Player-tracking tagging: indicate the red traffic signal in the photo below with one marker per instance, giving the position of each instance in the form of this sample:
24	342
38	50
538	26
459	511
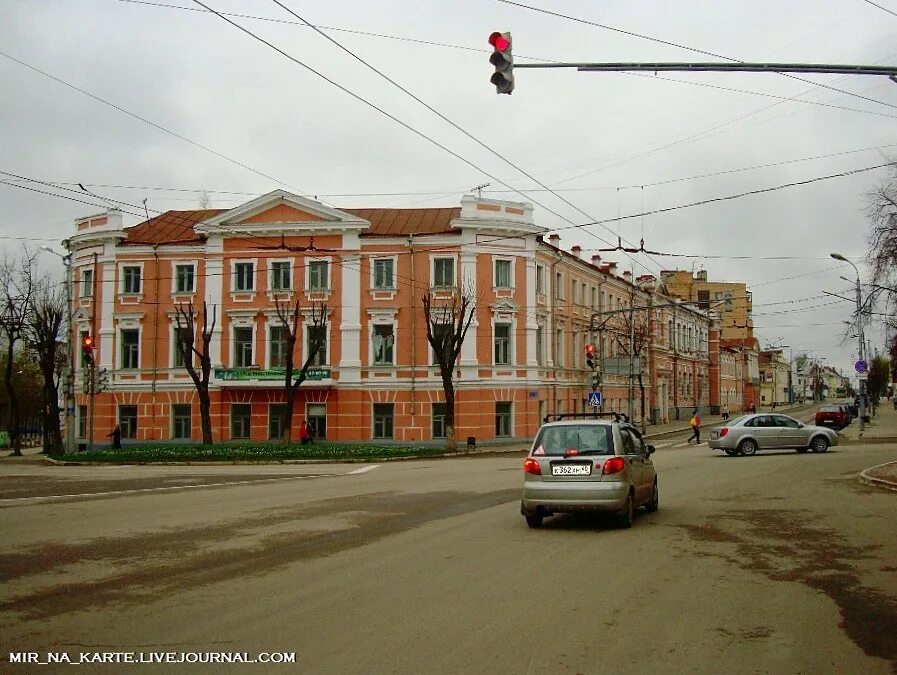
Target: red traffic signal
590	350
503	77
499	41
87	349
590	356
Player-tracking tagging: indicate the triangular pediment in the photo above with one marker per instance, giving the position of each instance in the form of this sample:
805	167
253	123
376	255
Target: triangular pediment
282	210
504	305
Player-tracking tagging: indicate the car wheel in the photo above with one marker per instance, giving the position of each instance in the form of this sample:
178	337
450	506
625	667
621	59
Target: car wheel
534	521
819	444
654	504
731	451
627	515
747	447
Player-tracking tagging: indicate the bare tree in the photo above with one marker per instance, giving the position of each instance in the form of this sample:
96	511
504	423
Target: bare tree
186	342
447	325
205	201
289	311
45	333
881	208
632	336
16	296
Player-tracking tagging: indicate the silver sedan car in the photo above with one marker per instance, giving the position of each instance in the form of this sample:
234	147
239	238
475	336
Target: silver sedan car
588	465
747	434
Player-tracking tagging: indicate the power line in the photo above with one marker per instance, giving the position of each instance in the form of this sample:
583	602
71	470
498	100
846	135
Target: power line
884	9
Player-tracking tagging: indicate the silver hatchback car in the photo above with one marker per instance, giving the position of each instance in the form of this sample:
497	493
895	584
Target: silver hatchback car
588	464
746	434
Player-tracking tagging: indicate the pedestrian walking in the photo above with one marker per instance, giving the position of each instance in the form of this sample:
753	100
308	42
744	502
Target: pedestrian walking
725	413
695	423
115	435
304	438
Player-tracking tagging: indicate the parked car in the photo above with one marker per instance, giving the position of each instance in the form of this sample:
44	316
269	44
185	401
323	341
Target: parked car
747	434
834	416
583	463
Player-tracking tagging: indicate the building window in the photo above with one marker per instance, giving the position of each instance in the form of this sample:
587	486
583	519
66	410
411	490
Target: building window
594	297
317	420
278	346
383	341
383	274
280	275
242	347
131	282
244	276
318	332
82	421
177	338
502	344
540	345
503	274
502	419
130	348
438	416
574	294
240	420
540	279
559	286
383	419
317	275
441	331
181	421
444	272
277	420
127	421
559	347
183	279
87	284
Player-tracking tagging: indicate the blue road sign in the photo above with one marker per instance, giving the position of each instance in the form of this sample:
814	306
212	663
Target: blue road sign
861	366
595	399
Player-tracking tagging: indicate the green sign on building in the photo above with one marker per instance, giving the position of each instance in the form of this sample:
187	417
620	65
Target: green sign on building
270	374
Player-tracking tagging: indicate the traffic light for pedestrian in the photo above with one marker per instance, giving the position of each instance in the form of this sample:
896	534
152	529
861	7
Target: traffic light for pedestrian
503	77
590	356
87	350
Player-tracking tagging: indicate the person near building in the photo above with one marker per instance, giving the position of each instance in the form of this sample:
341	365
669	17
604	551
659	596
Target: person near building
116	437
304	437
725	413
695	423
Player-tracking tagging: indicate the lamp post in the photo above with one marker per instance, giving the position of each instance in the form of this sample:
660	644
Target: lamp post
862	351
69	397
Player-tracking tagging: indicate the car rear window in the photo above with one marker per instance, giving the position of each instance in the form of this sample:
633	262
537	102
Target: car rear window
591	439
830	408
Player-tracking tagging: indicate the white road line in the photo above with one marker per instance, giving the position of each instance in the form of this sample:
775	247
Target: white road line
363	469
50	498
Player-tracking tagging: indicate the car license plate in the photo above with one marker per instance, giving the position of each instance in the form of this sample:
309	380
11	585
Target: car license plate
714	434
571	469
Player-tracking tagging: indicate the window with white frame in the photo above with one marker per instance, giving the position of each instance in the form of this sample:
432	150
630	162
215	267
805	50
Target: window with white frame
559	286
574	292
503	411
277	420
384	274
244	277
441	332
181	421
280	275
178	337
130	279
438	417
559	347
540	345
540	279
382	342
242	347
184	278
87	283
318	277
277	346
502	273
383	420
594	297
502	344
444	272
130	348
127	421
240	420
313	334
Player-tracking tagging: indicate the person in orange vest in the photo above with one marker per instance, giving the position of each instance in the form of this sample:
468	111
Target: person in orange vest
695	423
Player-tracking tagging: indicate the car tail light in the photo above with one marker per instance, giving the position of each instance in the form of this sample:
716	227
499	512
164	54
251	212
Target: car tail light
613	465
569	452
723	431
532	466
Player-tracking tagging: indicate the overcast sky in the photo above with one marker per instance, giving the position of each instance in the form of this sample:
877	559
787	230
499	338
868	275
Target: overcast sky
614	143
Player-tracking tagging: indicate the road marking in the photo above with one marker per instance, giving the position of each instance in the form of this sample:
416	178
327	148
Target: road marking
164	488
364	469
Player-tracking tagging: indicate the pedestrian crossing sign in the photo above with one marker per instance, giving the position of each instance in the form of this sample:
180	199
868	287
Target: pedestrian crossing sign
595	399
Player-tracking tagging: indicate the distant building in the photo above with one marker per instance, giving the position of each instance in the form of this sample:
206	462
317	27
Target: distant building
732	300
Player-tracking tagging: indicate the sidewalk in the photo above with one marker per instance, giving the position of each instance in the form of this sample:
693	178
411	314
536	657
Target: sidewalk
881	429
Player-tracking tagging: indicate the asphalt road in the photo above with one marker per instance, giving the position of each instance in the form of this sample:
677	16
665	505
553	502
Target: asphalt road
778	563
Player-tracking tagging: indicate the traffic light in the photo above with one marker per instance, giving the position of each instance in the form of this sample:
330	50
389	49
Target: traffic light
503	77
87	350
590	356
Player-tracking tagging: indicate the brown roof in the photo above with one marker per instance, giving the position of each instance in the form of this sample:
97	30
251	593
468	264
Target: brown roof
175	227
169	228
407	221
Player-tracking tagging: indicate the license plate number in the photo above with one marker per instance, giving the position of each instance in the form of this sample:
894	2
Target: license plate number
715	434
571	470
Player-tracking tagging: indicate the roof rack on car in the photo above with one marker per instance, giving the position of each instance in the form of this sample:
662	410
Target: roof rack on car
618	416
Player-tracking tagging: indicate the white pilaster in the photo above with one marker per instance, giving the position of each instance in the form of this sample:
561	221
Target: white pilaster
106	326
215	295
468	286
532	362
350	327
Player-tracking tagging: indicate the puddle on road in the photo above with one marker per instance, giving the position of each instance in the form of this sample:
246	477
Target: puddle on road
784	546
184	559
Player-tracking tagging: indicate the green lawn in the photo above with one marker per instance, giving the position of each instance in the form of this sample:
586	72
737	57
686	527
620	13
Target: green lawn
249	453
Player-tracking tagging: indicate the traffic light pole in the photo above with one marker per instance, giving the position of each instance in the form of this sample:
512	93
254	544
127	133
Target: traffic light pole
829	69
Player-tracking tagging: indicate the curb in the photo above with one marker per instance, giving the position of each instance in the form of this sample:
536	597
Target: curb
878	482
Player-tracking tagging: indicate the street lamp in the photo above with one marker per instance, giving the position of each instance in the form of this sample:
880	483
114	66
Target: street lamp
70	348
838	256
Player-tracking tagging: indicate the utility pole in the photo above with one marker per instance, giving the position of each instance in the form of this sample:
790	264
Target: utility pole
862	351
